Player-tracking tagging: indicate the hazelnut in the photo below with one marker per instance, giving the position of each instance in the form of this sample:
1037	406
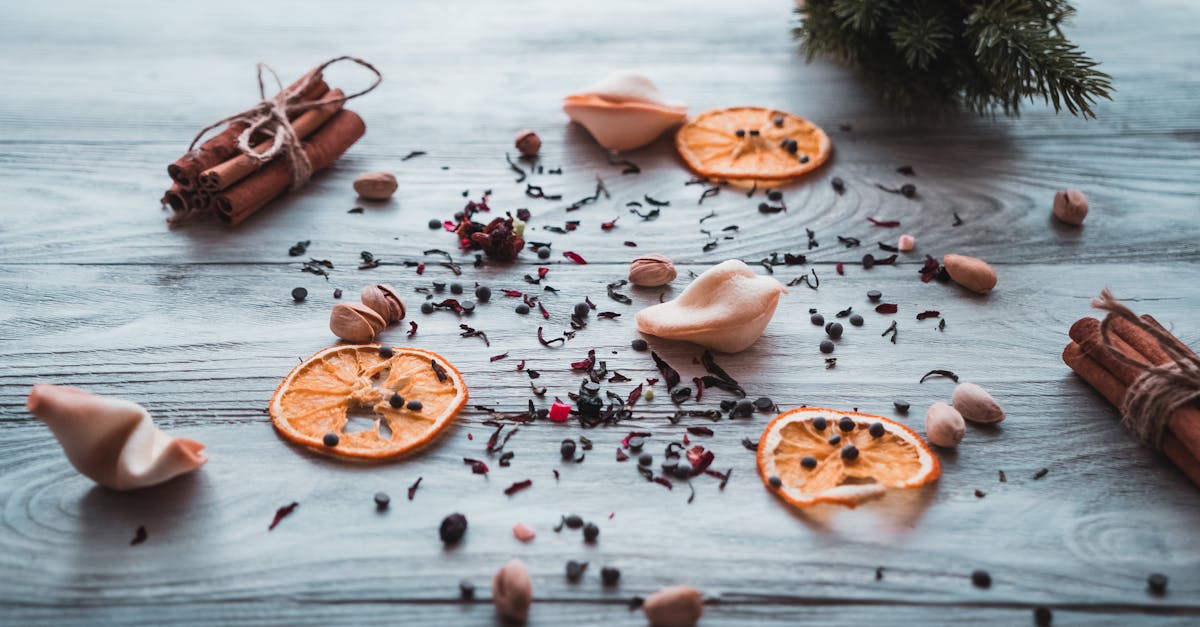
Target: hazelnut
971	273
375	185
1070	206
355	322
651	270
944	426
976	405
385	301
512	591
674	606
528	143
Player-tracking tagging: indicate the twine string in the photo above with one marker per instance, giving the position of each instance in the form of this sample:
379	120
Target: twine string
1161	389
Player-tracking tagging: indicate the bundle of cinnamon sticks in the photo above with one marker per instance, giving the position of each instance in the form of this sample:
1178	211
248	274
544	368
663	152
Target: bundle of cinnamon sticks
218	177
1099	363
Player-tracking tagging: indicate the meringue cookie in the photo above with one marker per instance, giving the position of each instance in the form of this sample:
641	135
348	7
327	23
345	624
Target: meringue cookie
111	441
624	111
726	309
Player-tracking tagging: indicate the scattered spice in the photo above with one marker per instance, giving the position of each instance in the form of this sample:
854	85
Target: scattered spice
884	223
939	373
281	513
477	466
139	536
413	154
887	308
924	315
299	248
1041	473
412	489
517	487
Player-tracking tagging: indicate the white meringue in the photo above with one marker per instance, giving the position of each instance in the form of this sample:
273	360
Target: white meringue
726	309
112	441
624	111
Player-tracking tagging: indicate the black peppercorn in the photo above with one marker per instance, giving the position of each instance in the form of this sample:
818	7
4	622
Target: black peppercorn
809	462
483	293
582	310
1157	583
452	528
850	452
466	590
763	403
337	293
754	132
434	223
426	308
775	482
856	320
575	570
637	442
846	423
456	288
876	430
826	346
396	401
439	286
645	459
414	406
775	195
819	423
610	576
567	449
981	579
467	306
299	294
909	190
683	470
901	406
522	309
1042	616
868	261
740	133
639	345
817	319
574	521
778	121
331	439
543	252
874	296
835	440
744	407
590	532
382	500
386	352
834	330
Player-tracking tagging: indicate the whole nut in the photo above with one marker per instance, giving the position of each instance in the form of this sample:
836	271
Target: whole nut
375	185
1070	206
385	301
528	143
971	273
674	606
976	405
512	591
651	270
354	322
944	426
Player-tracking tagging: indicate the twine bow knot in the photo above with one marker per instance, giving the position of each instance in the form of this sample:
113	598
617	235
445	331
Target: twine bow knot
1161	389
271	117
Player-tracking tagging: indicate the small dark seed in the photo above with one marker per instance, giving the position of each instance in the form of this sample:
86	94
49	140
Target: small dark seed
683	470
1042	616
1157	582
337	293
467	306
826	346
637	442
331	439
846	423
744	407
901	406
778	121
850	452
574	521
909	190
299	294
754	132
775	482
645	459
522	309
639	345
775	195
763	403
876	430
868	261
434	223
817	319
382	500
386	352
575	570
590	532
981	579
439	286
414	406
835	330
803	158
452	528
856	320
740	133
819	423
835	440
809	462
543	253
426	308
582	310
610	576
456	288
567	449
396	401
874	296
483	293
980	494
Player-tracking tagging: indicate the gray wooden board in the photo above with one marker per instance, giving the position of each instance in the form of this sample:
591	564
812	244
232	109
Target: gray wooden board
197	323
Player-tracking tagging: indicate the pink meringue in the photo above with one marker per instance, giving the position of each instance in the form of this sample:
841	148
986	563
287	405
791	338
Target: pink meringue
624	111
112	441
726	309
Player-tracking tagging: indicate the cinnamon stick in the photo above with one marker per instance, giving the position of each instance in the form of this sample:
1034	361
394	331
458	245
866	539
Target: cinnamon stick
176	199
1109	386
323	148
223	146
225	174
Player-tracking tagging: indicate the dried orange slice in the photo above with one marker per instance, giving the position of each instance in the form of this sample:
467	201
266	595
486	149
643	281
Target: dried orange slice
752	143
409	395
808	456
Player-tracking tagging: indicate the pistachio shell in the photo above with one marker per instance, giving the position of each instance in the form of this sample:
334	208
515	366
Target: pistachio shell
726	309
651	270
944	426
355	322
674	606
971	273
512	591
976	405
376	185
624	111
385	301
1070	206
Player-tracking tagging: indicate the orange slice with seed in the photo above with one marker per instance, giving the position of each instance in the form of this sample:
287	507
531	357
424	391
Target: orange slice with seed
798	461
752	143
315	403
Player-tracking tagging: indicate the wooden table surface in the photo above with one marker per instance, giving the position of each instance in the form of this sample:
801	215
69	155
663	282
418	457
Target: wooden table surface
198	325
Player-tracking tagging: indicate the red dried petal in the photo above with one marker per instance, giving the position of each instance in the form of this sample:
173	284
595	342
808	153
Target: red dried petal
884	223
887	308
928	314
841	269
574	256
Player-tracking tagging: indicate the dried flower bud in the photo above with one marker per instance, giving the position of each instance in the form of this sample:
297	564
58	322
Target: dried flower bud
971	273
385	301
376	185
976	405
512	591
1070	206
944	426
355	322
674	606
528	143
651	270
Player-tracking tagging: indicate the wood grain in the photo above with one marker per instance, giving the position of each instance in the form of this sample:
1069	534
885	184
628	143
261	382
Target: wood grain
198	324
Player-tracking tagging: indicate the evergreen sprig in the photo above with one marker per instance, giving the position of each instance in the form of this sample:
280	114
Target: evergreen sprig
932	56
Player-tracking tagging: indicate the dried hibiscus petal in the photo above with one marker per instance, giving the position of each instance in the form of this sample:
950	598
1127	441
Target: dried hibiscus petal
574	256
